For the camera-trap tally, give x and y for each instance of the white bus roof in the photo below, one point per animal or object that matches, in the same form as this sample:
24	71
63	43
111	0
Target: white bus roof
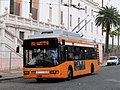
58	33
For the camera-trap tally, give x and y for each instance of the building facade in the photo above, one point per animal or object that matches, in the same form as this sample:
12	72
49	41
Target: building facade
20	18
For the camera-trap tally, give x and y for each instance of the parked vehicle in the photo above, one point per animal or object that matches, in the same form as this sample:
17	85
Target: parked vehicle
113	60
119	60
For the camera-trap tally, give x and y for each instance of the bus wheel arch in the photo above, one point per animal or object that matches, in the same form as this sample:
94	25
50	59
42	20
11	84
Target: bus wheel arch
92	68
70	73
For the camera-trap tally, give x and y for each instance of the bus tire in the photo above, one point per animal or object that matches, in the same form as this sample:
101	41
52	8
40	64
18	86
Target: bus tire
70	73
92	68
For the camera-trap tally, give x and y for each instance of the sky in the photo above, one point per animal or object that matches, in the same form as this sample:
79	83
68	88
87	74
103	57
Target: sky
115	3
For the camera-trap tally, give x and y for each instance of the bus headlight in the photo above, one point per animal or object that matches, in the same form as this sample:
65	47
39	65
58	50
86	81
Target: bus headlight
26	72
54	72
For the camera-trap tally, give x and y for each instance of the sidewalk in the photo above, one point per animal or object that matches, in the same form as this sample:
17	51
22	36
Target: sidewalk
103	64
11	75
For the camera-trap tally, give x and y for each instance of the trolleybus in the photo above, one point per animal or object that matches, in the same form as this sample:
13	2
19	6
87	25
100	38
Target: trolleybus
58	54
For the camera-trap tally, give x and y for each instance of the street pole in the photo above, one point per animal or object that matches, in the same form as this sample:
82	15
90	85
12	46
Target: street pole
10	61
118	43
102	3
59	14
68	12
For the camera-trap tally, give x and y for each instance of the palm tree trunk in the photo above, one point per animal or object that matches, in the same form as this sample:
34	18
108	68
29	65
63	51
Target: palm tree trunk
112	45
118	43
107	40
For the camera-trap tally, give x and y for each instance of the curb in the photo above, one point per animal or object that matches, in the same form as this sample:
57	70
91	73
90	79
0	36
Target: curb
10	78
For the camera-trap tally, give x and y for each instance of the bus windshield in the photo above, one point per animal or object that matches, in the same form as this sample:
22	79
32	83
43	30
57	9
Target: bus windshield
41	57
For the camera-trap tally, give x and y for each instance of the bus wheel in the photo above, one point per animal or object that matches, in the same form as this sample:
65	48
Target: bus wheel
92	68
70	74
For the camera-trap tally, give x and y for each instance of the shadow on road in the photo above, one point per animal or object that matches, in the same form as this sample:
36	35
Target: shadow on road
47	81
57	80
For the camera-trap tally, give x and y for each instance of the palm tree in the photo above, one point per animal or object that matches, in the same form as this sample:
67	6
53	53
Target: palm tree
118	34
112	34
107	17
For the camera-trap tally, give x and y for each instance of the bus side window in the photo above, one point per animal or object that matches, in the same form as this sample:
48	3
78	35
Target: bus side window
70	56
92	53
86	53
70	53
82	51
77	53
62	53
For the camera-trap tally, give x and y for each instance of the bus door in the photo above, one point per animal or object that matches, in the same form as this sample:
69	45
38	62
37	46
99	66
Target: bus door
79	58
62	53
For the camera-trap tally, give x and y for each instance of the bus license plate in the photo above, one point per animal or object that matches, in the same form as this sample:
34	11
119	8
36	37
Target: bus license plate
39	75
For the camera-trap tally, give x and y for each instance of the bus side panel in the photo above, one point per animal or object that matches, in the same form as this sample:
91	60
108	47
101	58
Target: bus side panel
95	63
87	69
62	68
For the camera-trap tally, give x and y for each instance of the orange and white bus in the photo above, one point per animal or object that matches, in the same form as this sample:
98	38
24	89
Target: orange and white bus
58	54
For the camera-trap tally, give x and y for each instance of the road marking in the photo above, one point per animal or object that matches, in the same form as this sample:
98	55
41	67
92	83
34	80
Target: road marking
113	80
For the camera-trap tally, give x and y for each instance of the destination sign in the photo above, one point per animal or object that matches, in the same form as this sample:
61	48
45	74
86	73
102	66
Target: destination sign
40	43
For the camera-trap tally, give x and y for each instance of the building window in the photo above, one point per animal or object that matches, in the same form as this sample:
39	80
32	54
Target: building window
11	6
34	8
34	13
78	23
30	6
21	35
70	20
70	2
91	26
61	22
97	30
85	25
17	8
79	5
61	1
85	9
50	13
91	12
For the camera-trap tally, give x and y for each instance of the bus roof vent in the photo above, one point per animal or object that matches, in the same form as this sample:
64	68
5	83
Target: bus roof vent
47	32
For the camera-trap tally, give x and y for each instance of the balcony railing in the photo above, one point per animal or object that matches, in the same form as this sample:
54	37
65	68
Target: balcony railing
10	19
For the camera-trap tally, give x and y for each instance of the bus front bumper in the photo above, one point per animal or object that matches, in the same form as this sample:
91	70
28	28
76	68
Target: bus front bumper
43	74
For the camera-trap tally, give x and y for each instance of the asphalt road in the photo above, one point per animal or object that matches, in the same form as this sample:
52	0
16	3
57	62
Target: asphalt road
108	78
